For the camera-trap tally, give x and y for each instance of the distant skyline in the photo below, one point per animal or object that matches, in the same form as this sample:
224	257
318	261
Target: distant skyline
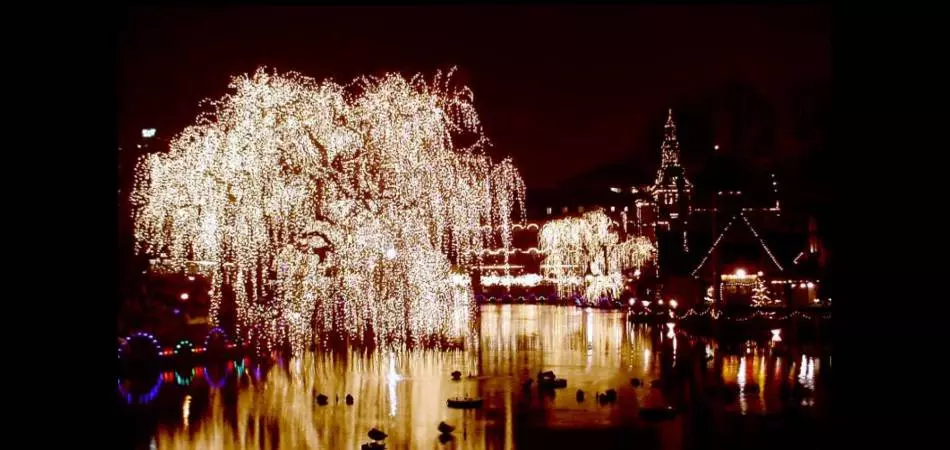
563	90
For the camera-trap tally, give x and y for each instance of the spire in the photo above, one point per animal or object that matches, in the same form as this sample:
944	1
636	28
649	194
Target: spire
670	147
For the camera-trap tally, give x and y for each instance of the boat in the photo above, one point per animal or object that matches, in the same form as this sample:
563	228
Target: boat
376	434
456	375
445	428
464	403
322	399
349	399
373	446
609	396
556	383
580	395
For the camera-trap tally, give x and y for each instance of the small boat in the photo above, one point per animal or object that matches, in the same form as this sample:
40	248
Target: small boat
657	414
607	397
322	400
373	446
349	399
456	375
445	428
545	375
580	395
376	434
464	403
445	438
556	383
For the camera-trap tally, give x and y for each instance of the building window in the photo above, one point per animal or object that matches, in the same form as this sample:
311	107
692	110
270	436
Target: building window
548	210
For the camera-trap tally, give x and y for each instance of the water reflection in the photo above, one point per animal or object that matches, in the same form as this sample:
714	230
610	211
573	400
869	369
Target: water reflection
404	392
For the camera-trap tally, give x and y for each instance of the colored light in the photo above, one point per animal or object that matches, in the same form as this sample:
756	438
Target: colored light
183	296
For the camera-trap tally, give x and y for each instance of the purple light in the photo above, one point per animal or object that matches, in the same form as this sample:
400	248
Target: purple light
176	311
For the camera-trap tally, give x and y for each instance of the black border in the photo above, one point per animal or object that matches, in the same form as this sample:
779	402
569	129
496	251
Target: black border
888	90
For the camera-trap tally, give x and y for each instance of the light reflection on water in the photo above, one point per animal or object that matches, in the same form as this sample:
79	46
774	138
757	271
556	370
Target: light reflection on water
404	392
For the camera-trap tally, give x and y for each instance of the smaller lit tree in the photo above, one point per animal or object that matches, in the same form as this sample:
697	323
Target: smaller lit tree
590	247
760	293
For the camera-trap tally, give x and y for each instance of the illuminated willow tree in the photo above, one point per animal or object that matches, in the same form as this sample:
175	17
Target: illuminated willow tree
588	251
327	208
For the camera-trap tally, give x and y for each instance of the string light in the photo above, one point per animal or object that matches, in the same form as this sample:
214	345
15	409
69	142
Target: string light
339	208
527	280
762	242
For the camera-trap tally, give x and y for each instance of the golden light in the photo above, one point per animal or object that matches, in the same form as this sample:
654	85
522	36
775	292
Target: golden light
592	247
329	208
645	303
760	273
183	296
186	410
660	302
810	285
777	335
740	273
673	303
191	278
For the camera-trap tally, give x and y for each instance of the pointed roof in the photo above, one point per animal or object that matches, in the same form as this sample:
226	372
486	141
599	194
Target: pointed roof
671	147
670	167
738	218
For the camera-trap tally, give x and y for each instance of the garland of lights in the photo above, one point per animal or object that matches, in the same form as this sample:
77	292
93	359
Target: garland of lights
326	208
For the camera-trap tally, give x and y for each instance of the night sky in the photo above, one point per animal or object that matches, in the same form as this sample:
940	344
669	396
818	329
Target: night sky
564	91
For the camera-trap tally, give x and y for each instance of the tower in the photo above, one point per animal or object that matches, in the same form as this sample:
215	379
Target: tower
672	192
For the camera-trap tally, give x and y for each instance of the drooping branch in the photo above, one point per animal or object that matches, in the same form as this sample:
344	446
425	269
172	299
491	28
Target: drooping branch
283	162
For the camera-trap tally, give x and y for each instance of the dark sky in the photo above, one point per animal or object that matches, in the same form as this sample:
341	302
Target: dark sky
562	90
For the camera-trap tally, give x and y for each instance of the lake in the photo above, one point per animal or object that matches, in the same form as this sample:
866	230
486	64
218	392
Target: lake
243	404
